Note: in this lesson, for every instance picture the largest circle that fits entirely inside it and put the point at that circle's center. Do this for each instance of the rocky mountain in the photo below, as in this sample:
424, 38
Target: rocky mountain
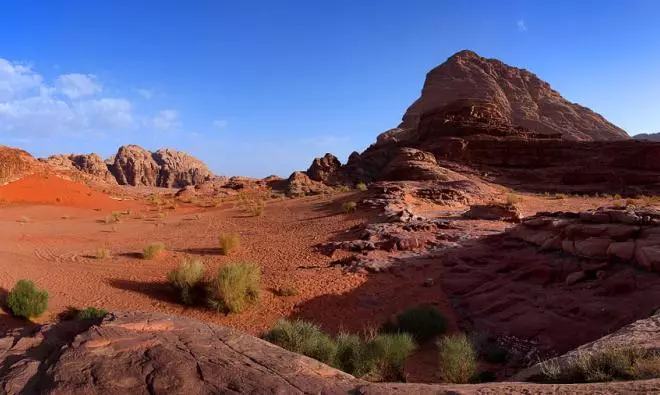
14, 163
133, 165
519, 96
647, 136
153, 353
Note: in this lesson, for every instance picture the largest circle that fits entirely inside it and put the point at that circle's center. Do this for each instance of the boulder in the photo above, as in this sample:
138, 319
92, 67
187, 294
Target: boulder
593, 247
494, 211
325, 169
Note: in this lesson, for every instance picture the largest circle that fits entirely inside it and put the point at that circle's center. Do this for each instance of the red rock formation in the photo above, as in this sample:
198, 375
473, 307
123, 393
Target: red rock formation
14, 163
518, 95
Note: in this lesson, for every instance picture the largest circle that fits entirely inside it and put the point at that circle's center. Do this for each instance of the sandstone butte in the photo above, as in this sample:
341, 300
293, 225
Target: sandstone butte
494, 199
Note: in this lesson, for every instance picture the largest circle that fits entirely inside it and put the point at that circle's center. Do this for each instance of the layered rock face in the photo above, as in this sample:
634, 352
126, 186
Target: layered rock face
91, 164
133, 165
520, 96
14, 163
626, 235
152, 353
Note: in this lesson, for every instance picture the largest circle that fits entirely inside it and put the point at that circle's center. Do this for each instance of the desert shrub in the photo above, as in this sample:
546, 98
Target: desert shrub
153, 250
235, 287
229, 242
512, 199
187, 278
25, 300
91, 313
361, 186
353, 355
112, 218
458, 361
389, 352
560, 196
423, 322
349, 207
344, 189
305, 338
102, 253
285, 291
253, 202
607, 364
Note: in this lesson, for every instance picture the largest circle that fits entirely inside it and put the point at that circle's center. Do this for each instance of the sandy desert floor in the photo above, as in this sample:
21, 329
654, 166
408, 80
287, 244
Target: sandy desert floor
50, 230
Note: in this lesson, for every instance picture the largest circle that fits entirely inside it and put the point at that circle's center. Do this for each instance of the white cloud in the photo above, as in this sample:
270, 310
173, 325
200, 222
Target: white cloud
220, 123
16, 80
166, 120
71, 105
146, 93
324, 141
77, 85
522, 26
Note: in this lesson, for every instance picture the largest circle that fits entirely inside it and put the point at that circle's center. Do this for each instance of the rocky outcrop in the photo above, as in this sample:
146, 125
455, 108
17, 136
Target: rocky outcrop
133, 165
153, 353
300, 184
14, 163
90, 164
647, 136
621, 234
643, 334
517, 95
494, 212
325, 169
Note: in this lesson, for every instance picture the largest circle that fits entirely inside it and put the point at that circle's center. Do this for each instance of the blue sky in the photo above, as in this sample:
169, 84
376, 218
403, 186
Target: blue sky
261, 87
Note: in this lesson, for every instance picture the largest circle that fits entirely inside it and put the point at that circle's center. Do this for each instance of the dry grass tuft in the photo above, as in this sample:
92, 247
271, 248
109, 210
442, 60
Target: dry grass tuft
349, 207
153, 250
458, 360
229, 242
235, 287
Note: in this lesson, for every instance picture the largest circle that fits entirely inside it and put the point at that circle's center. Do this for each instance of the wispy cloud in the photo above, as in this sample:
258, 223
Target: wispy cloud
166, 120
146, 93
78, 85
220, 123
522, 25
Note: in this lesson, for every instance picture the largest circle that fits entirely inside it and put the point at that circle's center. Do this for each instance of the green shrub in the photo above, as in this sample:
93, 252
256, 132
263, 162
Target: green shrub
607, 364
187, 278
361, 186
25, 300
235, 287
423, 322
229, 242
353, 355
305, 338
458, 361
91, 313
389, 352
349, 207
153, 250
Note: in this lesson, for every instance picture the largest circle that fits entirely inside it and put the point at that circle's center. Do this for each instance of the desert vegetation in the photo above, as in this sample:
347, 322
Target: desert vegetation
361, 186
423, 322
349, 207
91, 313
27, 301
235, 287
229, 242
153, 250
187, 278
607, 364
380, 357
458, 360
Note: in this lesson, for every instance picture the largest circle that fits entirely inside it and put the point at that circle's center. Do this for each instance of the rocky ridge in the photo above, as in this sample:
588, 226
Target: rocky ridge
133, 165
152, 353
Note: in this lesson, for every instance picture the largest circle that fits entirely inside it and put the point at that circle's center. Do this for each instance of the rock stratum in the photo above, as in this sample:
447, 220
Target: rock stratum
520, 96
133, 165
479, 116
152, 353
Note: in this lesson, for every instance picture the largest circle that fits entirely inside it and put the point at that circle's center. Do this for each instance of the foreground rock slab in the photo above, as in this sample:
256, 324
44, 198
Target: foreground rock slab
151, 353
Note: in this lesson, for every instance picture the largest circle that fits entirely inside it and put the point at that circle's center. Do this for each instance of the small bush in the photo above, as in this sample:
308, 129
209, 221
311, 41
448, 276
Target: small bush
153, 250
285, 291
349, 207
560, 196
353, 355
512, 199
423, 322
458, 361
229, 242
305, 338
187, 278
361, 186
102, 253
344, 189
389, 352
25, 300
235, 287
607, 364
112, 218
91, 313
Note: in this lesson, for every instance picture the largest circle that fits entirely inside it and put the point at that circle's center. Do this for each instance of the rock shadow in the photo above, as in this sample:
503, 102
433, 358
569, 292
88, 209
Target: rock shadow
159, 290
